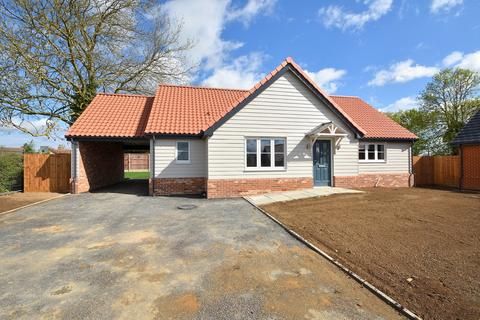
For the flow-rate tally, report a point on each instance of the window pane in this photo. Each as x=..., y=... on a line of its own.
x=182, y=155
x=381, y=156
x=265, y=146
x=182, y=151
x=371, y=152
x=361, y=152
x=279, y=160
x=182, y=146
x=280, y=146
x=251, y=145
x=251, y=159
x=380, y=147
x=266, y=160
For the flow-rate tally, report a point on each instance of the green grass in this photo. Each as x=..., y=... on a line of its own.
x=137, y=175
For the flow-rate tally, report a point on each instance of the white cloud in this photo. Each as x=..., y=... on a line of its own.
x=328, y=78
x=458, y=59
x=241, y=73
x=452, y=58
x=336, y=16
x=438, y=6
x=470, y=61
x=203, y=22
x=250, y=10
x=400, y=72
x=405, y=103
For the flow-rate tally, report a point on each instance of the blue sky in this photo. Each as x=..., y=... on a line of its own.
x=384, y=51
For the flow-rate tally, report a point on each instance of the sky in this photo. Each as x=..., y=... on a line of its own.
x=384, y=51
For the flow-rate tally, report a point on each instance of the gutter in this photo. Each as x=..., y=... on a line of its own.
x=389, y=300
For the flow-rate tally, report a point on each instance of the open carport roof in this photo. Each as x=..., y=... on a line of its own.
x=197, y=111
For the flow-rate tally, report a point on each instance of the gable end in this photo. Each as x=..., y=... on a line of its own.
x=209, y=132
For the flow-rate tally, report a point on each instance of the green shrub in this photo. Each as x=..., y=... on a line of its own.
x=11, y=171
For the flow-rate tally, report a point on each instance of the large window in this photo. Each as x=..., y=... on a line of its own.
x=265, y=153
x=183, y=152
x=371, y=152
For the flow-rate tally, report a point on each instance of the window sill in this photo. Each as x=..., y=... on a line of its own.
x=183, y=162
x=264, y=169
x=372, y=161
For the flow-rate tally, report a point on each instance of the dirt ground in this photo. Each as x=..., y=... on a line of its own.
x=20, y=199
x=430, y=237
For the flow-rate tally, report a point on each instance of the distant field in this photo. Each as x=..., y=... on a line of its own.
x=137, y=175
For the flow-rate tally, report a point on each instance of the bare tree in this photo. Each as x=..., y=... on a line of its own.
x=55, y=55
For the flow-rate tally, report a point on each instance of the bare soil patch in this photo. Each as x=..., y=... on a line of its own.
x=391, y=235
x=20, y=199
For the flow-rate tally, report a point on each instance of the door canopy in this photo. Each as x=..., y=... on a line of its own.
x=328, y=130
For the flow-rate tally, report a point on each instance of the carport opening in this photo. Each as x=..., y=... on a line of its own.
x=115, y=166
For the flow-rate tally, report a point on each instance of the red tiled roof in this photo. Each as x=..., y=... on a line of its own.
x=113, y=115
x=189, y=110
x=376, y=124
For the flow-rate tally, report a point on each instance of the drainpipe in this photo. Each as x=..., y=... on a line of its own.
x=461, y=168
x=74, y=173
x=410, y=167
x=152, y=164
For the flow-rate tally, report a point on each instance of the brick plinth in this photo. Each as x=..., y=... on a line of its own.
x=227, y=188
x=100, y=164
x=177, y=186
x=387, y=180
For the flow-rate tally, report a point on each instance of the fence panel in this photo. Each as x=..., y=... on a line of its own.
x=437, y=170
x=46, y=172
x=136, y=161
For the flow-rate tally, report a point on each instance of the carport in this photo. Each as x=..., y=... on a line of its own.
x=97, y=163
x=111, y=125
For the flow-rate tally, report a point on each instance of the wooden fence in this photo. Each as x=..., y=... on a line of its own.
x=437, y=170
x=46, y=173
x=136, y=161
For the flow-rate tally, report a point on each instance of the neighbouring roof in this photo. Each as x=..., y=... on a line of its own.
x=188, y=110
x=470, y=133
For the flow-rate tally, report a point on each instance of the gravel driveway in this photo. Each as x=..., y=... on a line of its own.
x=124, y=256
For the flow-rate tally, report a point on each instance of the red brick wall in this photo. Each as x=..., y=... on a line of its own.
x=226, y=188
x=100, y=165
x=471, y=167
x=176, y=186
x=388, y=180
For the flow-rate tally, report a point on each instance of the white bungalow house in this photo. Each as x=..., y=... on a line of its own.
x=283, y=134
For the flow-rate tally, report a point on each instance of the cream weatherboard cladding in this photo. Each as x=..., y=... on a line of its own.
x=285, y=109
x=397, y=160
x=167, y=167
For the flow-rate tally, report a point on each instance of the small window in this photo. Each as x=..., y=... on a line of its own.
x=183, y=152
x=279, y=152
x=380, y=152
x=371, y=152
x=251, y=153
x=266, y=150
x=361, y=152
x=265, y=153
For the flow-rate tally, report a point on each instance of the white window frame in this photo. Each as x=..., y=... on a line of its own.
x=272, y=154
x=376, y=152
x=189, y=153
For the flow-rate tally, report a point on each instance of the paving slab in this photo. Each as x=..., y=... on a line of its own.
x=297, y=194
x=115, y=255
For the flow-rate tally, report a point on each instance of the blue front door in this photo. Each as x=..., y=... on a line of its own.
x=322, y=163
